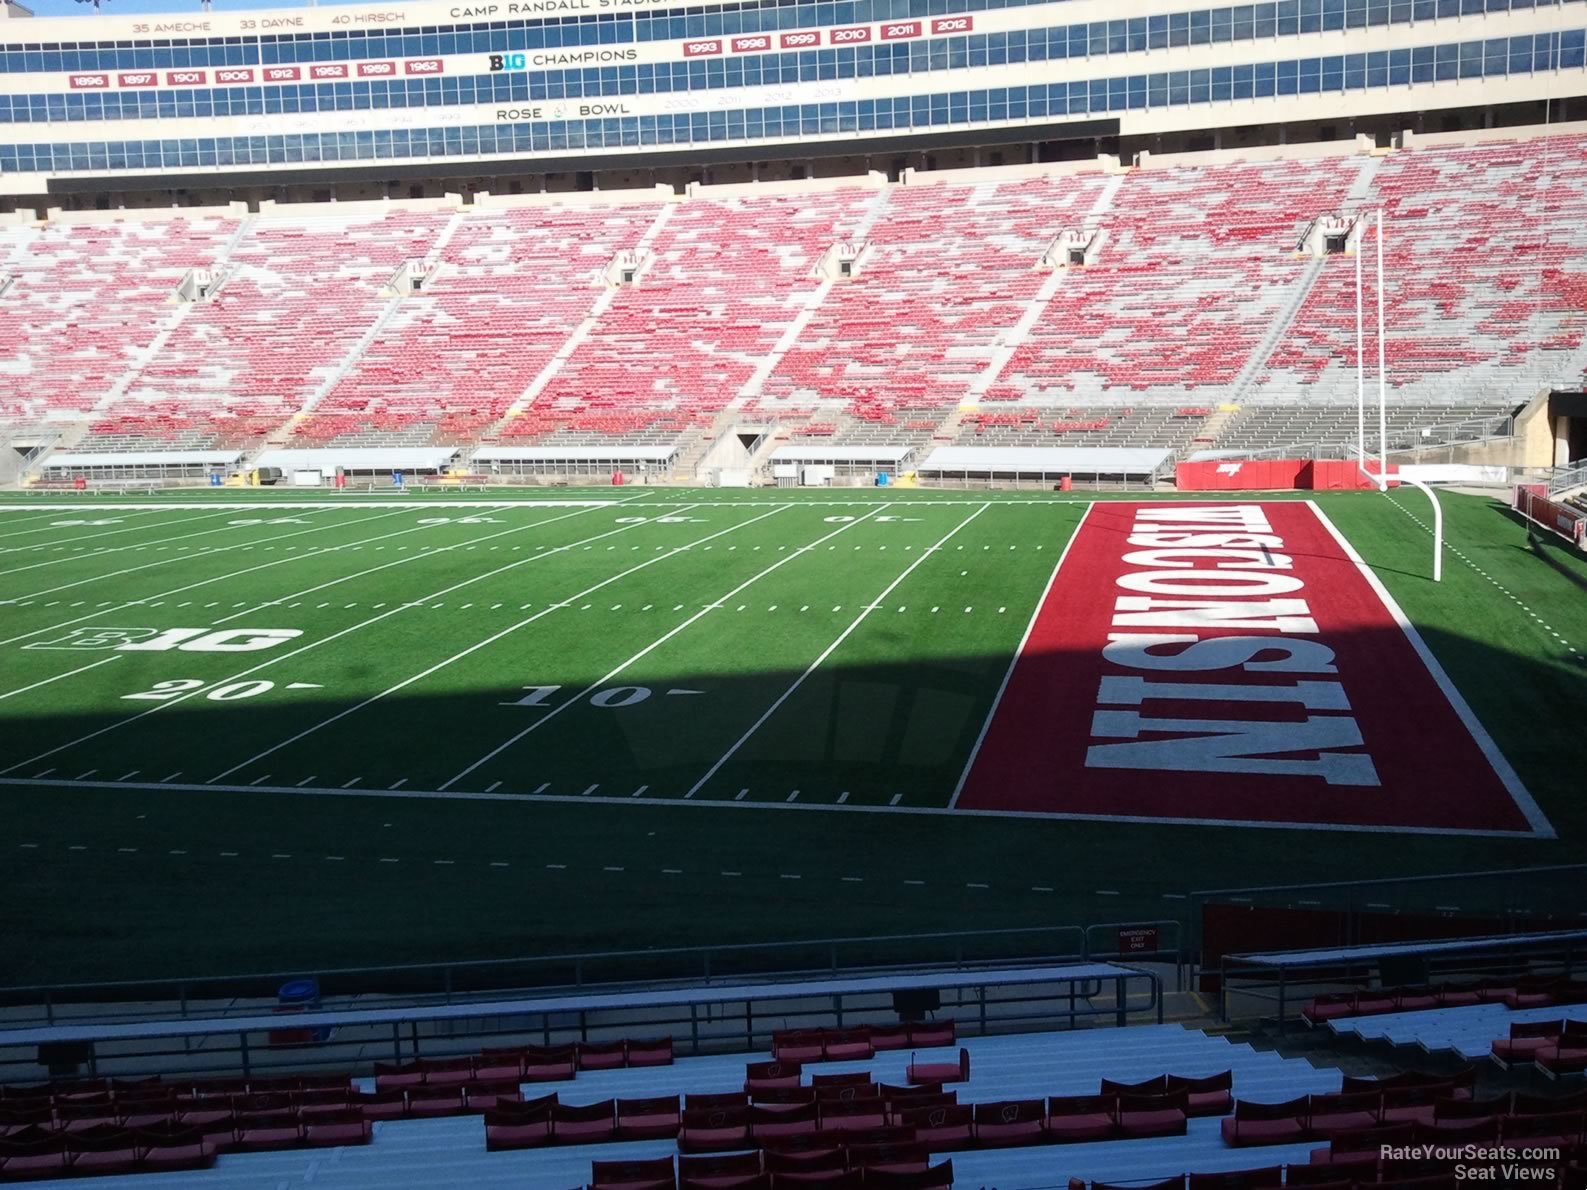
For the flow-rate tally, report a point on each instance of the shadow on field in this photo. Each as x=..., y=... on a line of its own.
x=1552, y=552
x=235, y=879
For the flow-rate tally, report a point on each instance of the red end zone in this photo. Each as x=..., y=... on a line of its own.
x=1233, y=663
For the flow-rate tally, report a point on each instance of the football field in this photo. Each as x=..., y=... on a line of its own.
x=280, y=731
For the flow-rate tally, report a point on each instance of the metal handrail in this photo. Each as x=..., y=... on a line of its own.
x=699, y=1017
x=1564, y=479
x=448, y=983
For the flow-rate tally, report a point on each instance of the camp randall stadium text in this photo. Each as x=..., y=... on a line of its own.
x=529, y=8
x=1475, y=1163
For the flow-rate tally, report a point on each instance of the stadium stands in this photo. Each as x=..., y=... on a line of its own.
x=1194, y=323
x=263, y=343
x=1478, y=263
x=510, y=288
x=1021, y=1119
x=87, y=301
x=724, y=279
x=1195, y=266
x=950, y=268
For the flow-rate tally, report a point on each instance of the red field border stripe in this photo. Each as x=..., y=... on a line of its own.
x=1234, y=664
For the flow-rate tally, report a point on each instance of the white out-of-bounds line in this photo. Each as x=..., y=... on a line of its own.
x=1008, y=674
x=325, y=640
x=179, y=557
x=100, y=613
x=830, y=649
x=136, y=545
x=58, y=677
x=494, y=637
x=319, y=553
x=418, y=557
x=125, y=528
x=655, y=644
x=1508, y=777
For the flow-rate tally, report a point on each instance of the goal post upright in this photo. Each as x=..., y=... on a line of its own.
x=1381, y=478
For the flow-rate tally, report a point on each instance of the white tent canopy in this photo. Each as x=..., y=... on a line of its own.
x=574, y=454
x=360, y=458
x=143, y=458
x=1044, y=460
x=839, y=454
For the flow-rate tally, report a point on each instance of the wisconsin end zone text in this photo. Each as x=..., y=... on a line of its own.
x=1231, y=663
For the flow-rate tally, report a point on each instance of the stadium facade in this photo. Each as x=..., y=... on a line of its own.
x=404, y=100
x=560, y=238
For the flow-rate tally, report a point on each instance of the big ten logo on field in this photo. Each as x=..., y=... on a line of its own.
x=154, y=640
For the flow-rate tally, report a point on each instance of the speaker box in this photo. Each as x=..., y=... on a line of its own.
x=914, y=1004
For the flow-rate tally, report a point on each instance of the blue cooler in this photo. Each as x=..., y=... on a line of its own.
x=298, y=995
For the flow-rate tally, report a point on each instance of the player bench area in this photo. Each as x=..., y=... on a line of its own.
x=700, y=1017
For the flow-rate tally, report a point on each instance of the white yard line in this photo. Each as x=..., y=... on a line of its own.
x=220, y=578
x=322, y=641
x=72, y=556
x=1014, y=660
x=179, y=557
x=57, y=678
x=130, y=603
x=125, y=528
x=496, y=636
x=428, y=553
x=655, y=644
x=44, y=516
x=830, y=649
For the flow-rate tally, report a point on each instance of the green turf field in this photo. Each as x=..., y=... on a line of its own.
x=379, y=730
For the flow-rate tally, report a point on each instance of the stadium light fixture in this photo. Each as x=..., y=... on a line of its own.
x=1381, y=478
